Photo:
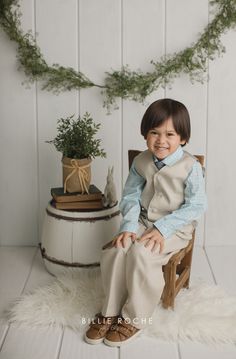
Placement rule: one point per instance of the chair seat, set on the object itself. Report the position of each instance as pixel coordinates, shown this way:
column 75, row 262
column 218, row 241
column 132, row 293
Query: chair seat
column 177, row 257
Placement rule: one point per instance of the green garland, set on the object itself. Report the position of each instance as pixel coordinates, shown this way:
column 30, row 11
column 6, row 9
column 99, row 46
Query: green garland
column 127, row 84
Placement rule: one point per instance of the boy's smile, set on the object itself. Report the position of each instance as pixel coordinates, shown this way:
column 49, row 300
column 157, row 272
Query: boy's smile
column 162, row 141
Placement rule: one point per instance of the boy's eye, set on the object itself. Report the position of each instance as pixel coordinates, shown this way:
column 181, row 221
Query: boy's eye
column 153, row 132
column 170, row 134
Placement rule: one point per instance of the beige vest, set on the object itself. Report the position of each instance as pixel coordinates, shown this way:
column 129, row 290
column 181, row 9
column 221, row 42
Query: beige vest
column 164, row 190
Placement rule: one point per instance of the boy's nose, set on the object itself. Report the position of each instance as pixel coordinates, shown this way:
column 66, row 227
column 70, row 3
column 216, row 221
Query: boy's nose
column 161, row 139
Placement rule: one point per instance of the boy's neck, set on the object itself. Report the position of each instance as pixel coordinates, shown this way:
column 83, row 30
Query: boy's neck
column 179, row 149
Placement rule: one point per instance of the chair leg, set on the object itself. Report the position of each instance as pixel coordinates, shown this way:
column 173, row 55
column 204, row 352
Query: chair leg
column 186, row 262
column 168, row 294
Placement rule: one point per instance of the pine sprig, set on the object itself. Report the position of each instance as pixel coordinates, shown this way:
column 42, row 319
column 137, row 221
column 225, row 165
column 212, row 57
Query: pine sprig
column 75, row 138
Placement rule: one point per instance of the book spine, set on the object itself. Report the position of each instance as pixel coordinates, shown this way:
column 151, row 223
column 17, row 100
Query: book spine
column 79, row 198
column 79, row 205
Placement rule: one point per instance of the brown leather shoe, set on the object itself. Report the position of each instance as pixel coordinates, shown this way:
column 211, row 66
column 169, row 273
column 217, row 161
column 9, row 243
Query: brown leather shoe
column 121, row 333
column 98, row 328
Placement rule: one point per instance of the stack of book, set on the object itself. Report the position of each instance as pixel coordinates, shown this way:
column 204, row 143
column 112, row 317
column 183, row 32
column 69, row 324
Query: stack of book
column 76, row 200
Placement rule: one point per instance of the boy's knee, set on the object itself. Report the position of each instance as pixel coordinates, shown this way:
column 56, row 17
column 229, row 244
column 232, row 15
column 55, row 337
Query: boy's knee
column 138, row 249
column 120, row 249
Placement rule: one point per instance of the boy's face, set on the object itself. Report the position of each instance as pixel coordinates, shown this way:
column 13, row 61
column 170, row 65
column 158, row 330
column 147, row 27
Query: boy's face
column 162, row 141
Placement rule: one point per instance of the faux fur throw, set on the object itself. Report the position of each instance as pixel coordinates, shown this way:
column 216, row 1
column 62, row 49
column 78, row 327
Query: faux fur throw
column 202, row 313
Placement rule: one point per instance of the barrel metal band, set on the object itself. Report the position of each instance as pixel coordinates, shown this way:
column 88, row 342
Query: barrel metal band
column 91, row 219
column 66, row 264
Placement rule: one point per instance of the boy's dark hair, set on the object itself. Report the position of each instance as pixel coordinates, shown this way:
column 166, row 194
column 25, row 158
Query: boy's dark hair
column 159, row 111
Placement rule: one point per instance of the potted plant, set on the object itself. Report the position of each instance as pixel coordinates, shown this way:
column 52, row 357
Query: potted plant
column 76, row 140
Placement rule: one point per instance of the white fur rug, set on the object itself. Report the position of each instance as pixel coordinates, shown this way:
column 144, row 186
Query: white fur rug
column 202, row 313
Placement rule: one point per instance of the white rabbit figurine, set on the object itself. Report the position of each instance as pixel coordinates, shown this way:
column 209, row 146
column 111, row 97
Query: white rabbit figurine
column 110, row 198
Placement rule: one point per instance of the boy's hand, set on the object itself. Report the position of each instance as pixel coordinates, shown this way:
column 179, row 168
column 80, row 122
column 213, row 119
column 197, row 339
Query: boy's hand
column 120, row 240
column 155, row 239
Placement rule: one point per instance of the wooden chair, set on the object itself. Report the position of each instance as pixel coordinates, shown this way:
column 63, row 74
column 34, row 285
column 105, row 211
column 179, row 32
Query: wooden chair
column 177, row 270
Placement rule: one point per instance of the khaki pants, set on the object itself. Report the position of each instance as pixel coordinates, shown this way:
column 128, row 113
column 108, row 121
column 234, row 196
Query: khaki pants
column 132, row 277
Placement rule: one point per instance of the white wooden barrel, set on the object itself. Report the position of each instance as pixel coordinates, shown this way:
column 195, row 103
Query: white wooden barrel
column 75, row 238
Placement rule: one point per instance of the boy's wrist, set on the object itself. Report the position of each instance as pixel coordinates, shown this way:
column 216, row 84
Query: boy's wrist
column 129, row 227
column 164, row 231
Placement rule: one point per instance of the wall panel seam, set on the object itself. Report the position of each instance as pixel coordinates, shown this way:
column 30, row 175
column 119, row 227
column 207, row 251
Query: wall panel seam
column 78, row 53
column 36, row 129
column 121, row 100
column 207, row 132
column 165, row 34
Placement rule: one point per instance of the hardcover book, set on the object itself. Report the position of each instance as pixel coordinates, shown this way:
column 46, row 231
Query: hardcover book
column 59, row 195
column 78, row 205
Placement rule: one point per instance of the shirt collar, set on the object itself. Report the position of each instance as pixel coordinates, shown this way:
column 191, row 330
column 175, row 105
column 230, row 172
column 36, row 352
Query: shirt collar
column 173, row 158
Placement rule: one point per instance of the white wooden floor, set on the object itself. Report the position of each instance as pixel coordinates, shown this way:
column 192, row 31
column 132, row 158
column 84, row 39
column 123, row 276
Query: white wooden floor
column 22, row 269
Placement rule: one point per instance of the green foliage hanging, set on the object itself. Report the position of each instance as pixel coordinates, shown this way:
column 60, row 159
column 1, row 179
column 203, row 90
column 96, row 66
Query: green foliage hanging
column 125, row 83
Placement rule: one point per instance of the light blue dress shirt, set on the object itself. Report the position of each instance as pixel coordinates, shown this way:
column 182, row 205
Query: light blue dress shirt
column 194, row 204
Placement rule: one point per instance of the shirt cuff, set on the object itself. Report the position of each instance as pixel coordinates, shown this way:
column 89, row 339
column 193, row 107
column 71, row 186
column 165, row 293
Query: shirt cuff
column 129, row 227
column 165, row 231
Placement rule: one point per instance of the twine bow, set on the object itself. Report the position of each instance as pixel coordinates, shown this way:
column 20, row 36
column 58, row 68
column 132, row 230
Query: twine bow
column 81, row 172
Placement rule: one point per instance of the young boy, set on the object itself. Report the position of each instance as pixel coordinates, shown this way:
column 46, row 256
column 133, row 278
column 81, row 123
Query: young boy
column 163, row 196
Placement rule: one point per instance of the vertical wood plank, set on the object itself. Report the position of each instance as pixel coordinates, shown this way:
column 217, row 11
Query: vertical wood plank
column 223, row 264
column 56, row 23
column 15, row 266
column 143, row 41
column 3, row 331
column 24, row 274
column 198, row 350
column 39, row 276
column 18, row 162
column 185, row 19
column 99, row 24
column 151, row 348
column 220, row 219
column 200, row 267
column 25, row 343
column 74, row 346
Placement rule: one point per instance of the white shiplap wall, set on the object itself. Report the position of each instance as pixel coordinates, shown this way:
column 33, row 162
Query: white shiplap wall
column 94, row 37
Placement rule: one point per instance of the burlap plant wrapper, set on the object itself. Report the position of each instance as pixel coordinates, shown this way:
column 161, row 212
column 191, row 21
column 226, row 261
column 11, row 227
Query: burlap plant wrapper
column 76, row 174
